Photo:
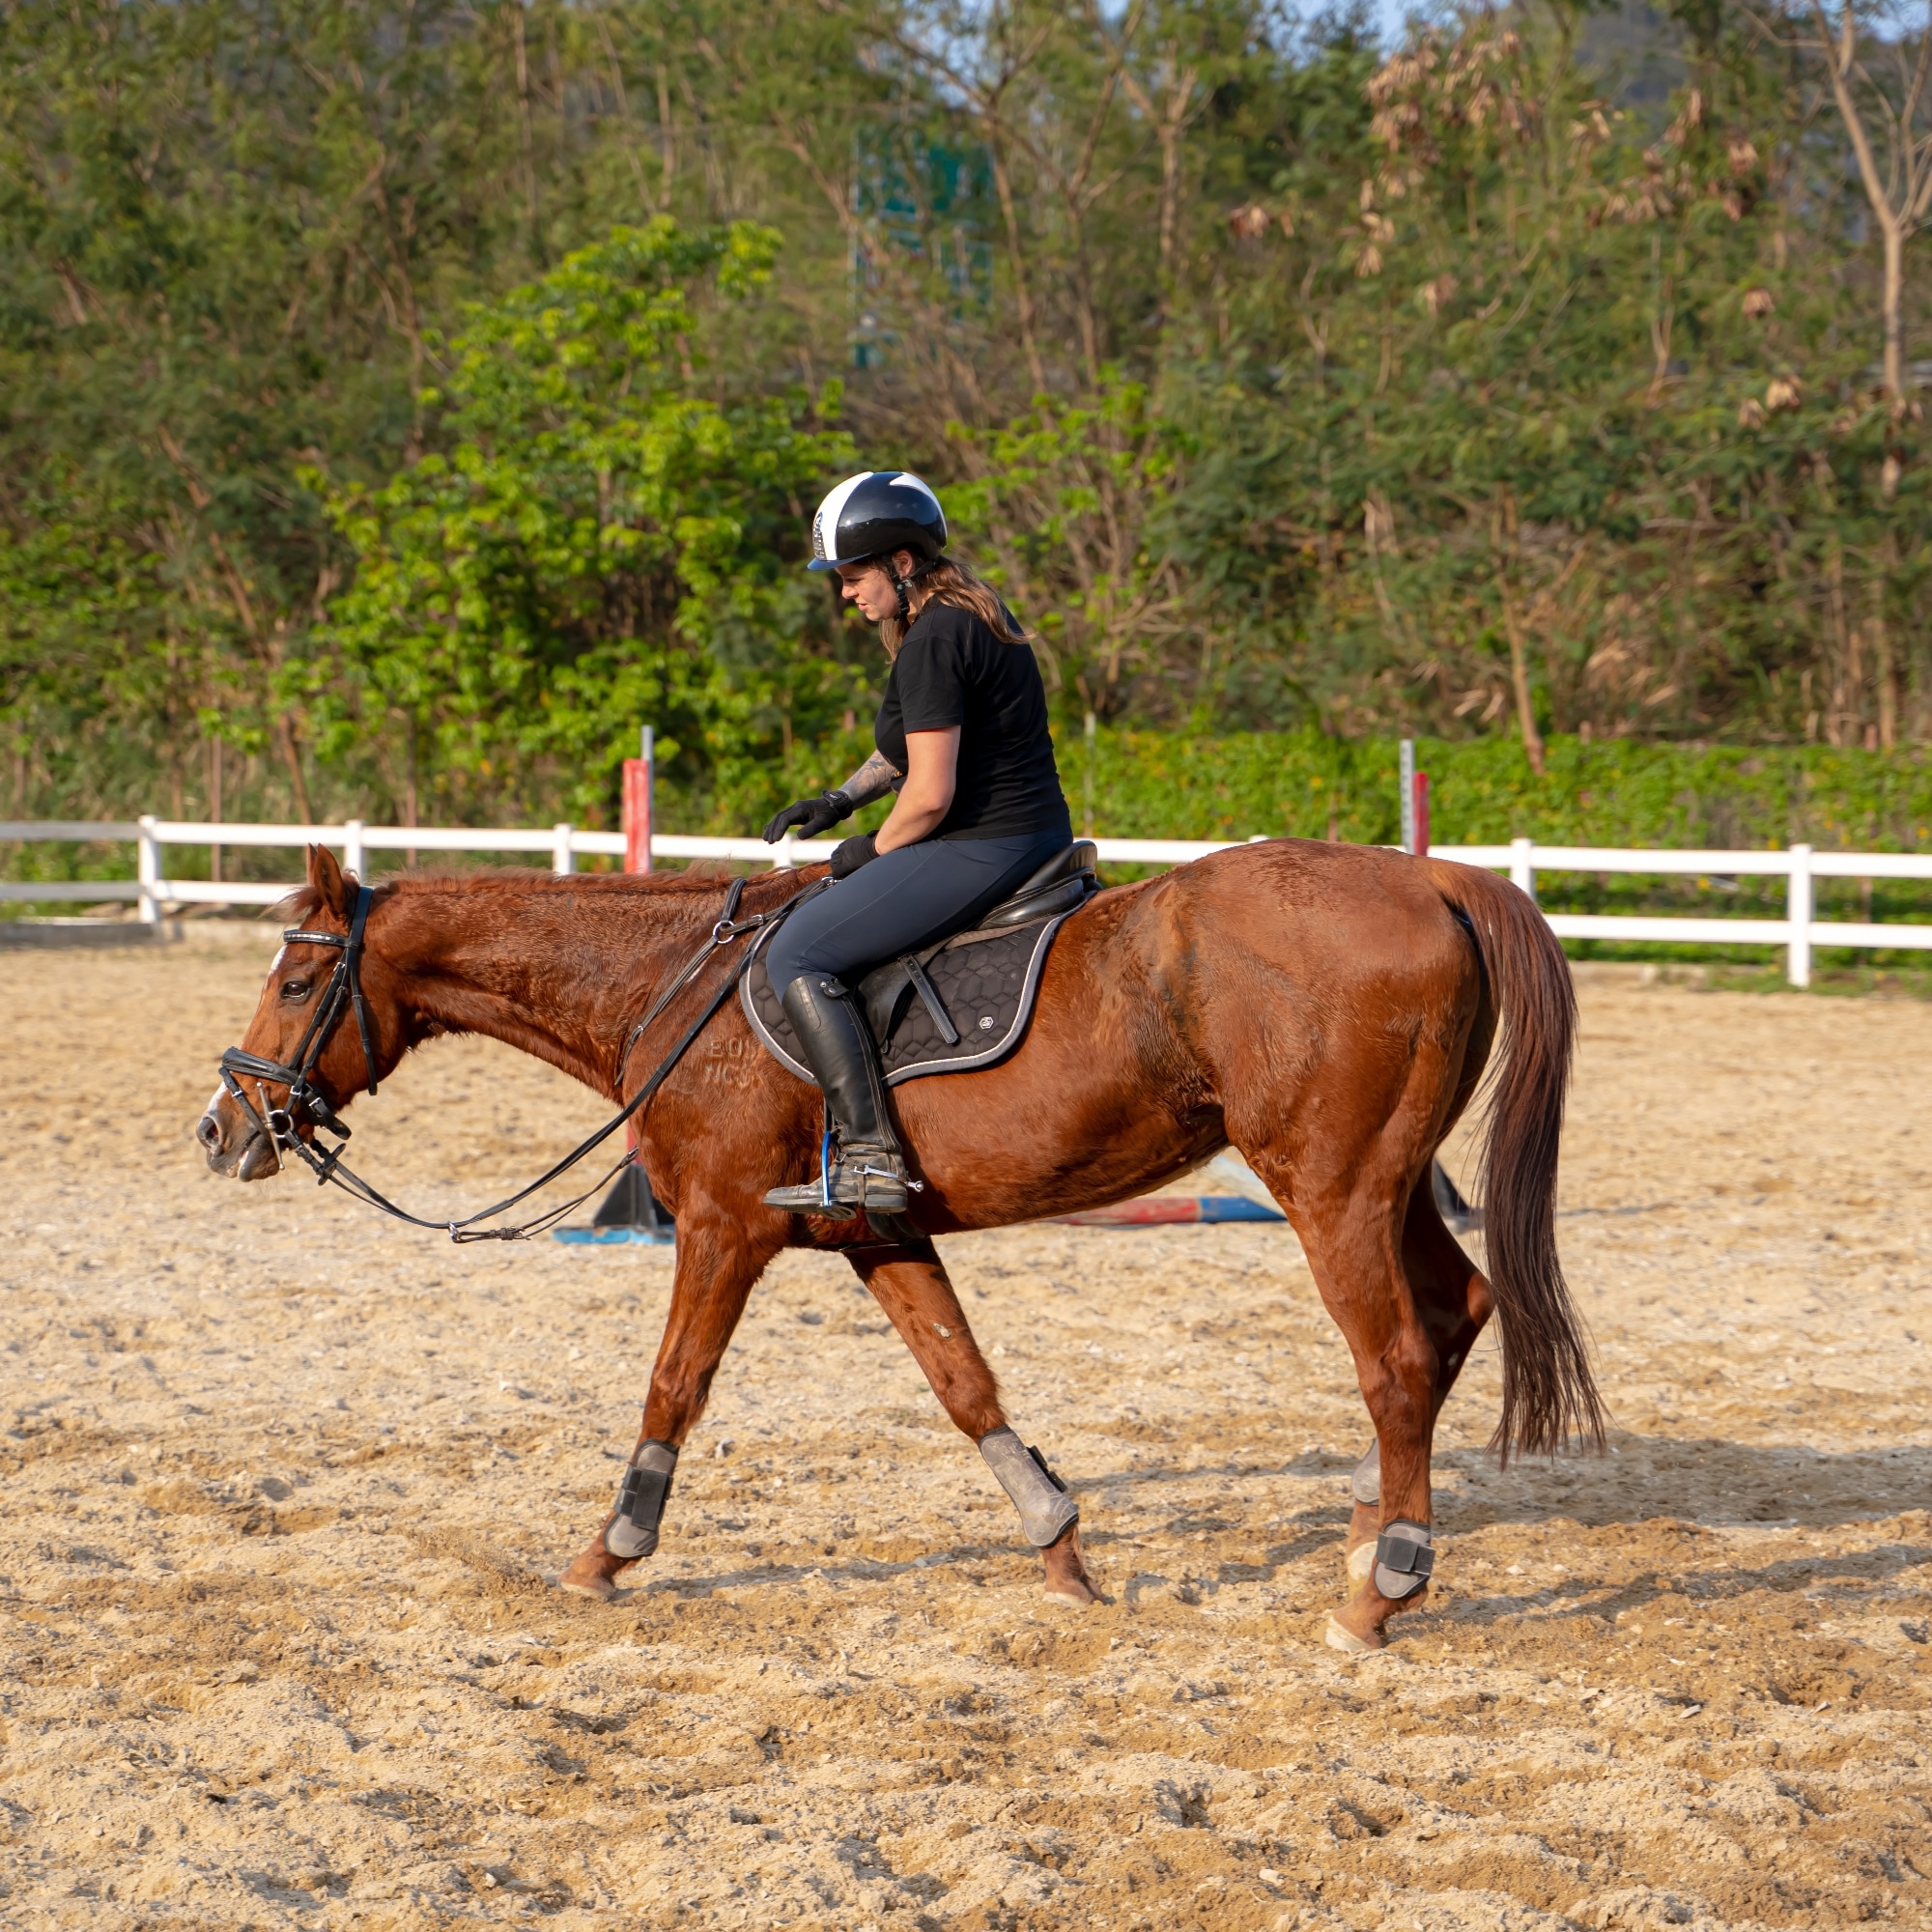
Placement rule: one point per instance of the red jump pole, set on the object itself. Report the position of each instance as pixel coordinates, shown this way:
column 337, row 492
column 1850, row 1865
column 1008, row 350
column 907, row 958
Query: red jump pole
column 1422, row 814
column 639, row 776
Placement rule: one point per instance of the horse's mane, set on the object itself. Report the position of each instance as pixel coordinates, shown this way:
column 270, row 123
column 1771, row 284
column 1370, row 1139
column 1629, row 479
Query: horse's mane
column 705, row 876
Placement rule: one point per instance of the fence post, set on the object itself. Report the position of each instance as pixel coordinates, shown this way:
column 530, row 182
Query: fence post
column 621, row 1207
column 784, row 861
column 1087, row 830
column 1797, row 910
column 354, row 858
column 1522, row 872
column 148, row 869
column 639, row 775
column 1405, row 784
column 562, row 860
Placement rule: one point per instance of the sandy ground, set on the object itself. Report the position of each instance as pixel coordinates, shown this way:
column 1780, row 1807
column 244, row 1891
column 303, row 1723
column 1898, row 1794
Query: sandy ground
column 285, row 1486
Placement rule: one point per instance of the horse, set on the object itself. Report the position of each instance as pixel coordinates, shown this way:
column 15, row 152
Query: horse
column 1327, row 1009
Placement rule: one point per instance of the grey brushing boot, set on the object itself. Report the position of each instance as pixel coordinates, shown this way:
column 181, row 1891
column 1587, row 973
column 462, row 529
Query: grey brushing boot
column 868, row 1171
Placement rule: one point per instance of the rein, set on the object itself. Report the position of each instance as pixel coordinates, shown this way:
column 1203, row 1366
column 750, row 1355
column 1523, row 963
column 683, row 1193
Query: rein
column 344, row 993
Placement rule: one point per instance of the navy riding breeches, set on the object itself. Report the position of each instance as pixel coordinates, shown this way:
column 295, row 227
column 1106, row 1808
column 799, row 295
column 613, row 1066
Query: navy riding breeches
column 903, row 901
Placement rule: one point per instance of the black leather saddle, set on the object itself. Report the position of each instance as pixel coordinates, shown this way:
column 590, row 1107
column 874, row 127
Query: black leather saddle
column 959, row 1005
column 1060, row 885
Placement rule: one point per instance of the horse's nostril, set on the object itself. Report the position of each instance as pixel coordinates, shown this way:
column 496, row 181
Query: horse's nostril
column 207, row 1132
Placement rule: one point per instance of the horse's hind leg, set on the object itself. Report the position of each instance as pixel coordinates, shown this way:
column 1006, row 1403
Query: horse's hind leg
column 717, row 1265
column 1346, row 1204
column 1453, row 1301
column 911, row 1285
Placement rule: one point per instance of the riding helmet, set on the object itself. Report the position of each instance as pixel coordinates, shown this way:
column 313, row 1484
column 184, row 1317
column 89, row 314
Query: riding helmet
column 874, row 513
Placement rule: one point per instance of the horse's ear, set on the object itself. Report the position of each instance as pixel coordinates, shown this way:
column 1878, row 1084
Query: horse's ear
column 325, row 876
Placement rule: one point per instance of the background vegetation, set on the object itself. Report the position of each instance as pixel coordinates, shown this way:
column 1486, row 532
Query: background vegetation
column 403, row 402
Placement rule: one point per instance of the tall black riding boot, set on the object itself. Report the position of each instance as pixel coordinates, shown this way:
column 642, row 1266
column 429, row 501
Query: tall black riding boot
column 869, row 1169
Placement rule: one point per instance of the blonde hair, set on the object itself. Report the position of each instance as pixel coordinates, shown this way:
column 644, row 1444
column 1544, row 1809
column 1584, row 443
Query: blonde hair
column 947, row 581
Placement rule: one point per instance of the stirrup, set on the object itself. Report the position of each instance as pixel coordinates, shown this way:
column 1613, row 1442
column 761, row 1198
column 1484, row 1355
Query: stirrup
column 809, row 1198
column 870, row 1178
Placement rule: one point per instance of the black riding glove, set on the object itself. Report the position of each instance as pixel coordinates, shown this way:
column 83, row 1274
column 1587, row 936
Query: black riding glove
column 852, row 853
column 811, row 815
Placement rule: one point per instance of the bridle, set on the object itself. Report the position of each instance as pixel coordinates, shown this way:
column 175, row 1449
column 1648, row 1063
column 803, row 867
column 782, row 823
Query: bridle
column 344, row 994
column 344, row 991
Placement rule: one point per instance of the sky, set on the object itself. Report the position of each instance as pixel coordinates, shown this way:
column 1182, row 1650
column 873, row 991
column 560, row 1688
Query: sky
column 1388, row 18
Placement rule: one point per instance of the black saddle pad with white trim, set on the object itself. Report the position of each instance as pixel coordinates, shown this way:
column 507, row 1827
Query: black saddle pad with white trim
column 983, row 985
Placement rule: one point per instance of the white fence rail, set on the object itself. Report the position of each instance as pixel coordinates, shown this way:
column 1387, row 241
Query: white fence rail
column 1798, row 932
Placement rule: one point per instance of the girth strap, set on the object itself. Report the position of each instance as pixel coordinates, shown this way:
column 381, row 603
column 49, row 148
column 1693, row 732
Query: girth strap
column 934, row 1005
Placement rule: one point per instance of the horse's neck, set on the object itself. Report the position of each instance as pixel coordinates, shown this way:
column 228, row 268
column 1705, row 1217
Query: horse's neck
column 555, row 970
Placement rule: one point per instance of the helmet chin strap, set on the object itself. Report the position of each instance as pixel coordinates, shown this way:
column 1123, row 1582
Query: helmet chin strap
column 902, row 584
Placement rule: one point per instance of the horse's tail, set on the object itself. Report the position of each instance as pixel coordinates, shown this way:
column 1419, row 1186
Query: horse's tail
column 1549, row 1390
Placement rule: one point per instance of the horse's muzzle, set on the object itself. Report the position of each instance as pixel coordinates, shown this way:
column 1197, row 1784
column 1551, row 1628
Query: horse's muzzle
column 233, row 1143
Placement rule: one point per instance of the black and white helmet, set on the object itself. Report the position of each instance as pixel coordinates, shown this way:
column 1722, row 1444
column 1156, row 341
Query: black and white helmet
column 874, row 513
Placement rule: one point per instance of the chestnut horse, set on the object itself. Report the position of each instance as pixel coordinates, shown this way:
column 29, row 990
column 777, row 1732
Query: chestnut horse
column 1327, row 1009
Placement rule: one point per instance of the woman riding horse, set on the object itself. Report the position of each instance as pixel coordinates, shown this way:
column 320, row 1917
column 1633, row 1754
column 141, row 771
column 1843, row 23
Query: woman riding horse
column 1327, row 1009
column 962, row 738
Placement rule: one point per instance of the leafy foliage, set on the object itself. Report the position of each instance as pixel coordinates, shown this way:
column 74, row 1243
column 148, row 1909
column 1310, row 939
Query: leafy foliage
column 1484, row 792
column 1620, row 793
column 406, row 403
column 593, row 541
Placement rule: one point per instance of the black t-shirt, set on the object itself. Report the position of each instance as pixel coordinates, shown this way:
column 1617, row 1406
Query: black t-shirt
column 951, row 671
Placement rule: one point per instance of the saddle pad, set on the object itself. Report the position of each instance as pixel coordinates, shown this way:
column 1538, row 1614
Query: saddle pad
column 985, row 981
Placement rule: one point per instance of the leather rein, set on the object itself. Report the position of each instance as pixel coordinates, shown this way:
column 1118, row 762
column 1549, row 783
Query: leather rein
column 344, row 994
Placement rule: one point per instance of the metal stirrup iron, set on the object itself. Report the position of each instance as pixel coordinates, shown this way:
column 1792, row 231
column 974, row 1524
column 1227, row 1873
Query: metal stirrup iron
column 633, row 1532
column 1046, row 1511
column 1405, row 1557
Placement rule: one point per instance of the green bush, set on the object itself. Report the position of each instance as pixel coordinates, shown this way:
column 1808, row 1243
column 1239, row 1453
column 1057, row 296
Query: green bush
column 1157, row 784
column 1482, row 792
column 1153, row 784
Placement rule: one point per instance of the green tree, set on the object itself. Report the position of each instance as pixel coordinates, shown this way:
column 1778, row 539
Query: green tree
column 591, row 540
column 1288, row 379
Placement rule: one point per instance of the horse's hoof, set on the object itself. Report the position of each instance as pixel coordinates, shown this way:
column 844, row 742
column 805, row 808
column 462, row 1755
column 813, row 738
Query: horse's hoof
column 1081, row 1595
column 594, row 1574
column 1339, row 1636
column 1067, row 1580
column 1361, row 1562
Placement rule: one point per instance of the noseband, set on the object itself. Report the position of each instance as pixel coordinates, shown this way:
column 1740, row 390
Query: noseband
column 343, row 993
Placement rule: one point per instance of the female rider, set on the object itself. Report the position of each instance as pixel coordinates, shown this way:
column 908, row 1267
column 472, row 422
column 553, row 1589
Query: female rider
column 962, row 738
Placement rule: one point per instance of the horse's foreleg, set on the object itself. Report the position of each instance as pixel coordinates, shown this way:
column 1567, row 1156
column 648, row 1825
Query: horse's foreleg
column 911, row 1285
column 717, row 1265
column 1453, row 1299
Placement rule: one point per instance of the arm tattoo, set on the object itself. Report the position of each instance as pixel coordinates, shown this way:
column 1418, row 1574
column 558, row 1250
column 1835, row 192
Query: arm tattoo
column 872, row 779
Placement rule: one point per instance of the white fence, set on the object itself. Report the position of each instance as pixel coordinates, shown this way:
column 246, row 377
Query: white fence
column 1799, row 932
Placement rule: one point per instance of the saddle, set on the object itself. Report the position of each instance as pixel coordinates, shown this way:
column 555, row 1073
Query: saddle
column 959, row 1005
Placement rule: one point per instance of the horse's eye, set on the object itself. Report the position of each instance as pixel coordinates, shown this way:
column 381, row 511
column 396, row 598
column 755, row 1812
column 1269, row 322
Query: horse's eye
column 297, row 990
